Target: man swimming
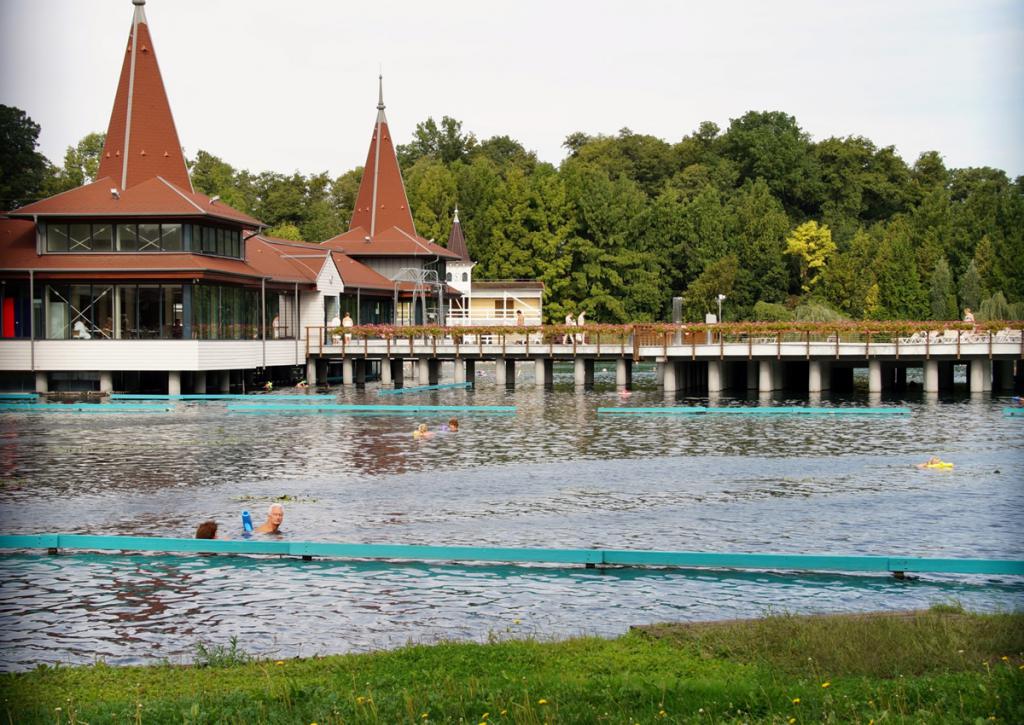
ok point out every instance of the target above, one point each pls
(275, 516)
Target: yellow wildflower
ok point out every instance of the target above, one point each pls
(1004, 658)
(792, 720)
(796, 700)
(826, 684)
(503, 712)
(279, 663)
(542, 701)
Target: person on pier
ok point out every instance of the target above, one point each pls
(570, 321)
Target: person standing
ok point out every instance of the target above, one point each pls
(347, 322)
(332, 326)
(580, 322)
(570, 321)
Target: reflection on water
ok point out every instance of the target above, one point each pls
(552, 475)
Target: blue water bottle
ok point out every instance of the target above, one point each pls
(246, 523)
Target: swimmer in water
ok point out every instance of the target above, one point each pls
(933, 462)
(453, 425)
(421, 432)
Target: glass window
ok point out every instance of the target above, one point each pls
(448, 277)
(125, 309)
(127, 238)
(103, 312)
(56, 312)
(149, 311)
(79, 238)
(172, 312)
(56, 237)
(170, 237)
(102, 238)
(149, 237)
(236, 245)
(465, 276)
(209, 240)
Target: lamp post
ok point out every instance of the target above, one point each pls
(720, 298)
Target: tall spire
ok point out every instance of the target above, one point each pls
(381, 202)
(142, 141)
(456, 240)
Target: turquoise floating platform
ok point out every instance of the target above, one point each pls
(422, 388)
(224, 396)
(18, 396)
(83, 408)
(1014, 412)
(766, 410)
(608, 557)
(372, 409)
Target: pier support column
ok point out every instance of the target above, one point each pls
(422, 371)
(623, 373)
(359, 372)
(714, 376)
(1002, 375)
(397, 372)
(311, 372)
(42, 382)
(814, 376)
(471, 372)
(347, 377)
(106, 382)
(579, 370)
(459, 371)
(173, 382)
(225, 380)
(874, 376)
(433, 371)
(543, 369)
(981, 376)
(765, 382)
(931, 376)
(385, 371)
(670, 381)
(199, 382)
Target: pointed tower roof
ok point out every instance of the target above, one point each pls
(381, 202)
(456, 240)
(142, 142)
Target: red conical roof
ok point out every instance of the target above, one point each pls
(457, 240)
(381, 202)
(142, 141)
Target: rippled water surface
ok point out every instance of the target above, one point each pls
(554, 474)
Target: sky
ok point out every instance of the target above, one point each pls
(269, 85)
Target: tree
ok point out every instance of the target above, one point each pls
(901, 294)
(433, 196)
(446, 143)
(811, 246)
(994, 308)
(848, 282)
(970, 287)
(941, 295)
(214, 177)
(717, 278)
(758, 226)
(285, 231)
(81, 162)
(22, 168)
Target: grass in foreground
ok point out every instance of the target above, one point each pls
(934, 667)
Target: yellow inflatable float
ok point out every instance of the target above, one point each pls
(935, 462)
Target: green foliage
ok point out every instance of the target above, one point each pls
(445, 144)
(994, 308)
(970, 287)
(811, 246)
(285, 231)
(901, 294)
(220, 655)
(771, 312)
(81, 162)
(433, 195)
(941, 295)
(701, 297)
(815, 311)
(23, 170)
(936, 666)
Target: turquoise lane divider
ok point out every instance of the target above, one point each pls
(401, 409)
(1014, 412)
(298, 397)
(84, 408)
(767, 410)
(684, 559)
(19, 396)
(421, 388)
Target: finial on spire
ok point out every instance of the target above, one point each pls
(138, 2)
(380, 97)
(456, 219)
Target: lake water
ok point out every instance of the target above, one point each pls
(554, 474)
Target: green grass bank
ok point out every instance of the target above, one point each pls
(939, 666)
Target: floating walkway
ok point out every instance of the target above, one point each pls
(1014, 412)
(373, 409)
(83, 408)
(225, 396)
(5, 397)
(589, 557)
(422, 388)
(750, 410)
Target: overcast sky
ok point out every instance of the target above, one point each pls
(285, 86)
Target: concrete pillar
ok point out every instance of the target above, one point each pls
(659, 373)
(42, 382)
(422, 371)
(460, 371)
(311, 372)
(173, 382)
(931, 376)
(753, 372)
(359, 371)
(670, 381)
(106, 382)
(766, 373)
(225, 381)
(471, 372)
(623, 373)
(579, 370)
(347, 377)
(433, 371)
(385, 371)
(814, 376)
(500, 369)
(199, 382)
(715, 376)
(539, 372)
(980, 375)
(397, 372)
(874, 376)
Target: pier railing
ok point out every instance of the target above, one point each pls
(927, 337)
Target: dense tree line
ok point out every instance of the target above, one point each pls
(784, 226)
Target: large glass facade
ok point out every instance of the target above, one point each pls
(86, 236)
(156, 311)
